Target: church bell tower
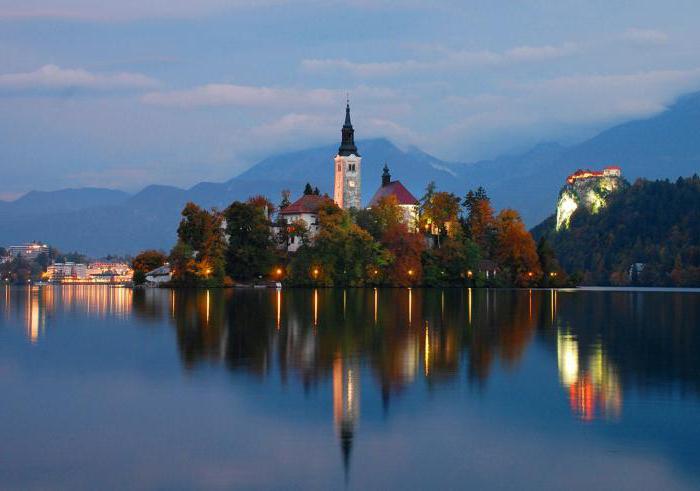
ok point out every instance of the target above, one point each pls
(347, 164)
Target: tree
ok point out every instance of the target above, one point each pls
(406, 249)
(149, 260)
(308, 190)
(515, 249)
(341, 254)
(198, 256)
(440, 213)
(139, 277)
(479, 223)
(285, 199)
(251, 250)
(384, 215)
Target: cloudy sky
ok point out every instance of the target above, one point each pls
(124, 93)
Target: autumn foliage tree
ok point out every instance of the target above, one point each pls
(479, 222)
(148, 260)
(515, 249)
(198, 255)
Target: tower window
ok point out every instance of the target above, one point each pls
(338, 167)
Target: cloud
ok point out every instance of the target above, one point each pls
(645, 37)
(450, 60)
(52, 77)
(251, 96)
(124, 10)
(240, 95)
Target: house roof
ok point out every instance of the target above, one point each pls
(395, 188)
(309, 203)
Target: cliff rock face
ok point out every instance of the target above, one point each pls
(589, 189)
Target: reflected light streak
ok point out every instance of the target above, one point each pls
(279, 308)
(32, 315)
(375, 306)
(567, 358)
(410, 306)
(469, 306)
(442, 305)
(426, 351)
(207, 307)
(315, 307)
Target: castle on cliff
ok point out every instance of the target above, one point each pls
(587, 188)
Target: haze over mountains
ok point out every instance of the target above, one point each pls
(102, 221)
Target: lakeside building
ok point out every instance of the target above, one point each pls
(406, 201)
(159, 275)
(66, 272)
(28, 251)
(99, 272)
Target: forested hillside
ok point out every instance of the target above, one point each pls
(654, 225)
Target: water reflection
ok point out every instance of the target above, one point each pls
(600, 344)
(594, 390)
(37, 304)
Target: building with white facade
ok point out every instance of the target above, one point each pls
(28, 251)
(303, 211)
(348, 168)
(67, 272)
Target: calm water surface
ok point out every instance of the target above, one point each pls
(107, 388)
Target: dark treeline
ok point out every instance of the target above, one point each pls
(452, 241)
(648, 234)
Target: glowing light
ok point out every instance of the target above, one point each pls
(279, 308)
(410, 272)
(470, 274)
(567, 358)
(566, 207)
(315, 307)
(279, 271)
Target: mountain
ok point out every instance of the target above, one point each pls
(412, 166)
(100, 221)
(653, 224)
(37, 202)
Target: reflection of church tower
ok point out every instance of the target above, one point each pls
(346, 193)
(346, 404)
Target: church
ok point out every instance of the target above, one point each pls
(347, 191)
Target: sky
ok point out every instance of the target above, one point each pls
(126, 93)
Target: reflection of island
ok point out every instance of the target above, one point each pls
(395, 339)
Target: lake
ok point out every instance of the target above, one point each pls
(109, 388)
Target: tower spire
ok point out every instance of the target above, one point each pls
(347, 143)
(386, 177)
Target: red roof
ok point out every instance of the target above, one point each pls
(403, 195)
(309, 203)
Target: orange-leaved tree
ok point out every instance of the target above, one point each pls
(516, 251)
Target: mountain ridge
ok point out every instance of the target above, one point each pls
(664, 145)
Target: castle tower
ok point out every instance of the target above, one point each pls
(346, 193)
